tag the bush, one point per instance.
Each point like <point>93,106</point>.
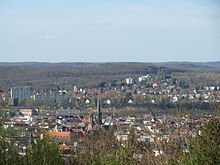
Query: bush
<point>205,148</point>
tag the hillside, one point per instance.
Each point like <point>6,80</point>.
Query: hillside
<point>66,75</point>
<point>51,76</point>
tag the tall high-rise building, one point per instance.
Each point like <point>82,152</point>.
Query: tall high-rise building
<point>21,93</point>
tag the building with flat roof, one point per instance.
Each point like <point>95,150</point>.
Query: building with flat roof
<point>20,93</point>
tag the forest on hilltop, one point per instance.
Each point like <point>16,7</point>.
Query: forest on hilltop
<point>66,75</point>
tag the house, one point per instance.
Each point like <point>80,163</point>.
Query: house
<point>28,111</point>
<point>108,101</point>
<point>175,99</point>
<point>63,137</point>
<point>87,101</point>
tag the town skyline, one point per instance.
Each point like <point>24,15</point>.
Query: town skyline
<point>109,82</point>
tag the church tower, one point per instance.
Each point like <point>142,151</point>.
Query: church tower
<point>99,113</point>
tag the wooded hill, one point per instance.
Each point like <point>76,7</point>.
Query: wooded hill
<point>66,75</point>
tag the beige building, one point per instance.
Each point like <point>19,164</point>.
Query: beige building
<point>28,111</point>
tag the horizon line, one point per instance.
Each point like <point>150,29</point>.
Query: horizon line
<point>56,62</point>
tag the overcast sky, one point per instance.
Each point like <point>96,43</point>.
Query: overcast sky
<point>109,30</point>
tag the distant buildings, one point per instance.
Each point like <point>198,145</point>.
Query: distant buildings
<point>25,94</point>
<point>13,101</point>
<point>144,78</point>
<point>28,112</point>
<point>48,97</point>
<point>61,137</point>
<point>21,93</point>
<point>129,81</point>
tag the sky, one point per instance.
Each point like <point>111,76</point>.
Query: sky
<point>109,30</point>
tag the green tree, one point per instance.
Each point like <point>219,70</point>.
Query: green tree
<point>39,151</point>
<point>205,148</point>
<point>103,149</point>
<point>43,151</point>
<point>8,152</point>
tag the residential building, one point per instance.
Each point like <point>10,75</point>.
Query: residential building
<point>21,93</point>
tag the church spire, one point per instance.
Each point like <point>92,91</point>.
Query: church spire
<point>99,113</point>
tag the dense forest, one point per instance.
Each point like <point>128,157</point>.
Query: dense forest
<point>66,75</point>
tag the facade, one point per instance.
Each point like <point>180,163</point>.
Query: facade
<point>13,101</point>
<point>48,97</point>
<point>144,78</point>
<point>61,137</point>
<point>20,93</point>
<point>129,81</point>
<point>28,112</point>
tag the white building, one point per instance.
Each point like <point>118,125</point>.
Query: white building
<point>108,101</point>
<point>87,101</point>
<point>129,81</point>
<point>144,78</point>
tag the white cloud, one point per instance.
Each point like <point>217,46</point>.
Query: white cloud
<point>51,36</point>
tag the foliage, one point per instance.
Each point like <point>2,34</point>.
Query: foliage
<point>205,148</point>
<point>40,151</point>
<point>65,76</point>
<point>8,152</point>
<point>102,148</point>
<point>43,151</point>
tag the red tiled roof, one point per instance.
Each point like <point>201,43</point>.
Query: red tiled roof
<point>120,122</point>
<point>63,134</point>
<point>59,134</point>
<point>84,120</point>
<point>20,123</point>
